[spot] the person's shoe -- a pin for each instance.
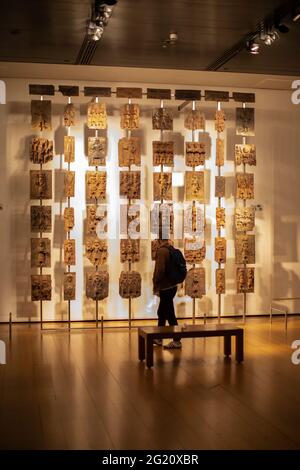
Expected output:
(157, 342)
(173, 345)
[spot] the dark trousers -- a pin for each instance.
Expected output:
(166, 312)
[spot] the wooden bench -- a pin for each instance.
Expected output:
(147, 334)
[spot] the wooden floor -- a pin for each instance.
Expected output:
(81, 391)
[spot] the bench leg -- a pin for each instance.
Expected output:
(239, 346)
(141, 348)
(227, 345)
(149, 351)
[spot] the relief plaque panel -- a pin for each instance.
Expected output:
(162, 186)
(195, 283)
(69, 183)
(130, 184)
(68, 219)
(220, 119)
(69, 148)
(96, 215)
(220, 250)
(194, 251)
(97, 285)
(40, 253)
(154, 247)
(96, 116)
(245, 219)
(129, 151)
(245, 186)
(220, 152)
(162, 119)
(245, 280)
(69, 115)
(41, 219)
(195, 153)
(69, 252)
(245, 249)
(40, 287)
(220, 217)
(41, 115)
(220, 186)
(96, 185)
(130, 116)
(162, 216)
(194, 186)
(97, 151)
(96, 251)
(220, 281)
(245, 121)
(40, 184)
(69, 286)
(245, 154)
(130, 250)
(163, 153)
(130, 284)
(41, 150)
(194, 120)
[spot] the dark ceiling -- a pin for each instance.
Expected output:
(53, 31)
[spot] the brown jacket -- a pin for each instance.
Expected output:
(160, 276)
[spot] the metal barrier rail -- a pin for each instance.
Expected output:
(284, 309)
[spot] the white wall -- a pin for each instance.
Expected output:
(277, 182)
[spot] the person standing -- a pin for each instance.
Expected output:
(166, 289)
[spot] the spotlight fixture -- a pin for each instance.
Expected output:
(281, 27)
(270, 37)
(296, 14)
(171, 40)
(253, 47)
(101, 12)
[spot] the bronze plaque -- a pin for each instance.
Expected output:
(245, 249)
(220, 250)
(130, 284)
(41, 115)
(245, 154)
(96, 251)
(245, 186)
(69, 183)
(130, 220)
(130, 116)
(220, 281)
(41, 150)
(154, 248)
(220, 186)
(245, 280)
(69, 115)
(123, 92)
(245, 121)
(40, 287)
(96, 116)
(194, 186)
(97, 285)
(40, 184)
(69, 286)
(96, 185)
(69, 148)
(97, 151)
(195, 283)
(220, 217)
(40, 253)
(96, 220)
(194, 251)
(162, 186)
(158, 94)
(194, 220)
(244, 219)
(213, 95)
(129, 151)
(68, 219)
(195, 153)
(130, 184)
(220, 152)
(69, 252)
(220, 119)
(162, 119)
(194, 120)
(41, 219)
(163, 153)
(130, 250)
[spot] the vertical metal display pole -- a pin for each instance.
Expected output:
(219, 229)
(193, 206)
(41, 236)
(245, 265)
(68, 234)
(128, 135)
(96, 203)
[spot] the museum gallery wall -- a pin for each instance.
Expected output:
(81, 161)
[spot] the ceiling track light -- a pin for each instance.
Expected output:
(253, 47)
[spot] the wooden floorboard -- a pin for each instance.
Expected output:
(85, 391)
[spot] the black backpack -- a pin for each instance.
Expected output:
(176, 266)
